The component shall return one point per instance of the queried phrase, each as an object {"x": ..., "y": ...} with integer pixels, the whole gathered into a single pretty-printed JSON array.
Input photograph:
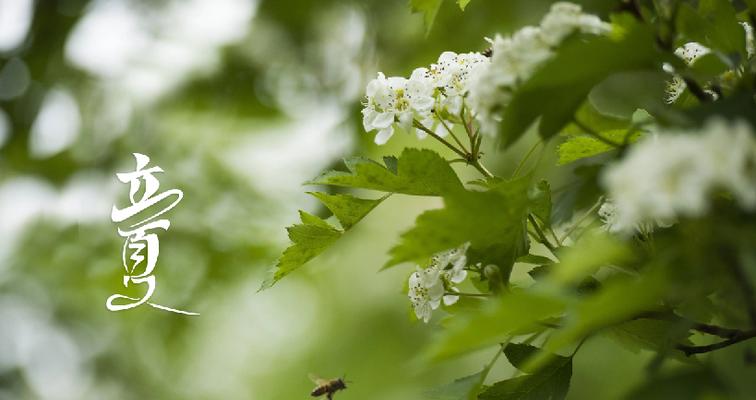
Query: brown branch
[{"x": 740, "y": 337}]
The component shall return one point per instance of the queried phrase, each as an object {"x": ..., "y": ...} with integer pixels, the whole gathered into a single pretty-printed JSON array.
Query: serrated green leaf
[
  {"x": 415, "y": 172},
  {"x": 558, "y": 88},
  {"x": 429, "y": 9},
  {"x": 485, "y": 219},
  {"x": 551, "y": 382},
  {"x": 310, "y": 238},
  {"x": 517, "y": 312},
  {"x": 348, "y": 209},
  {"x": 461, "y": 389}
]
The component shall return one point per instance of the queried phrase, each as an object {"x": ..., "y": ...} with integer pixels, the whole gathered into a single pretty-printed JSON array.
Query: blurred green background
[{"x": 239, "y": 101}]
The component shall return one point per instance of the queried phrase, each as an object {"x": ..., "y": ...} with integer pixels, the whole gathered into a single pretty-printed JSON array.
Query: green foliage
[
  {"x": 463, "y": 4},
  {"x": 557, "y": 90},
  {"x": 694, "y": 384},
  {"x": 715, "y": 25},
  {"x": 415, "y": 172},
  {"x": 516, "y": 313},
  {"x": 477, "y": 217},
  {"x": 551, "y": 382}
]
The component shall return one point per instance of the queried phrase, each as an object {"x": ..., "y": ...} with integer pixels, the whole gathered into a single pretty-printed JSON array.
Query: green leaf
[
  {"x": 714, "y": 24},
  {"x": 552, "y": 381},
  {"x": 557, "y": 89},
  {"x": 540, "y": 202},
  {"x": 616, "y": 302},
  {"x": 535, "y": 259},
  {"x": 463, "y": 4},
  {"x": 656, "y": 335},
  {"x": 461, "y": 389},
  {"x": 429, "y": 9},
  {"x": 310, "y": 238},
  {"x": 517, "y": 312},
  {"x": 348, "y": 209},
  {"x": 486, "y": 219},
  {"x": 622, "y": 93},
  {"x": 415, "y": 172},
  {"x": 588, "y": 255},
  {"x": 579, "y": 147}
]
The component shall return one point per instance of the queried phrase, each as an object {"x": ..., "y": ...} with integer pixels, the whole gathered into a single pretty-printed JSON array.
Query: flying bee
[{"x": 327, "y": 387}]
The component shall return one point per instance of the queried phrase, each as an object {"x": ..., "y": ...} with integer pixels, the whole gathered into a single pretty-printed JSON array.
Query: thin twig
[
  {"x": 525, "y": 159},
  {"x": 741, "y": 336},
  {"x": 422, "y": 127}
]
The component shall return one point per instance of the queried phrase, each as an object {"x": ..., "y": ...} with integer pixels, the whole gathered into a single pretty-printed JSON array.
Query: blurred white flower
[
  {"x": 750, "y": 46},
  {"x": 427, "y": 287},
  {"x": 565, "y": 18},
  {"x": 517, "y": 57},
  {"x": 673, "y": 174}
]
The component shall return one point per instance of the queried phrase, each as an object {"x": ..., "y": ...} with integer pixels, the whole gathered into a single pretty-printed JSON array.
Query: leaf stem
[
  {"x": 448, "y": 129},
  {"x": 422, "y": 127},
  {"x": 542, "y": 238}
]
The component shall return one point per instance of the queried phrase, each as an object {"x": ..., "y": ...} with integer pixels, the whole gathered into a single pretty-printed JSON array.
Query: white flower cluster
[
  {"x": 516, "y": 58},
  {"x": 674, "y": 173},
  {"x": 427, "y": 287},
  {"x": 428, "y": 94},
  {"x": 690, "y": 53}
]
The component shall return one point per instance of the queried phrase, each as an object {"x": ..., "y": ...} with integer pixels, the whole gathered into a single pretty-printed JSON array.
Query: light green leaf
[
  {"x": 461, "y": 389},
  {"x": 310, "y": 238},
  {"x": 429, "y": 9},
  {"x": 348, "y": 209},
  {"x": 579, "y": 147},
  {"x": 588, "y": 255},
  {"x": 463, "y": 4},
  {"x": 486, "y": 219},
  {"x": 557, "y": 89},
  {"x": 415, "y": 172},
  {"x": 517, "y": 312}
]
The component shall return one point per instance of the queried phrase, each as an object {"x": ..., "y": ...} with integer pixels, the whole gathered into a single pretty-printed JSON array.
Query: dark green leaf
[{"x": 714, "y": 25}]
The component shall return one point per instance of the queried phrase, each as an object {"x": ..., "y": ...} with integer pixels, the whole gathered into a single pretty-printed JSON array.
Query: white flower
[
  {"x": 689, "y": 52},
  {"x": 517, "y": 57},
  {"x": 674, "y": 173},
  {"x": 451, "y": 75},
  {"x": 395, "y": 100},
  {"x": 427, "y": 287}
]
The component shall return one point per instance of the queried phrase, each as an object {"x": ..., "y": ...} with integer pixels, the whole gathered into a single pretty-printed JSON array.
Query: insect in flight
[{"x": 327, "y": 387}]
